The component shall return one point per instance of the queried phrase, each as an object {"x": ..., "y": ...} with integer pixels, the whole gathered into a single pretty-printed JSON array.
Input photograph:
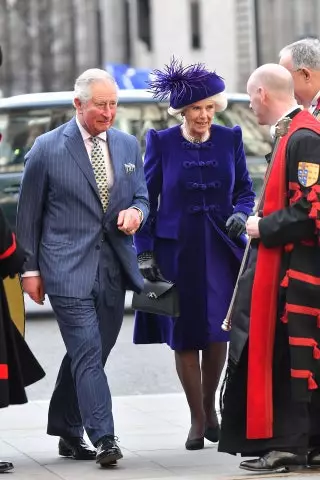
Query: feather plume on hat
[{"x": 185, "y": 84}]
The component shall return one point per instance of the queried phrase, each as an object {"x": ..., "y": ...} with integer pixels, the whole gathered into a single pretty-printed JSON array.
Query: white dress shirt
[
  {"x": 273, "y": 127},
  {"x": 102, "y": 137}
]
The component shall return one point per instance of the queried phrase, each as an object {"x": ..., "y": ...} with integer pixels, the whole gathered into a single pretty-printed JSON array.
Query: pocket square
[{"x": 129, "y": 167}]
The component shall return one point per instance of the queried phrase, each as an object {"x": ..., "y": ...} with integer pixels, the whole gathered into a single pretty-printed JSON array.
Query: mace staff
[{"x": 281, "y": 129}]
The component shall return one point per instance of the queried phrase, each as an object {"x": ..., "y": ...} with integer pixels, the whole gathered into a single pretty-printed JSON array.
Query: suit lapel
[{"x": 77, "y": 149}]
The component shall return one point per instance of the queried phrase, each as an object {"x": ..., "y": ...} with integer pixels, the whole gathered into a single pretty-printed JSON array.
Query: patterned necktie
[{"x": 99, "y": 168}]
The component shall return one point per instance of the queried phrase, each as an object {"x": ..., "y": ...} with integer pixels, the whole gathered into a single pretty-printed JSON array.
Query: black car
[{"x": 24, "y": 117}]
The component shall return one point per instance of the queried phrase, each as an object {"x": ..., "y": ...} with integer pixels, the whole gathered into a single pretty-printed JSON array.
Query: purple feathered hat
[{"x": 187, "y": 85}]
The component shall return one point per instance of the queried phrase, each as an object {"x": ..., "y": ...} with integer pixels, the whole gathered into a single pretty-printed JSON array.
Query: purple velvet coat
[{"x": 193, "y": 189}]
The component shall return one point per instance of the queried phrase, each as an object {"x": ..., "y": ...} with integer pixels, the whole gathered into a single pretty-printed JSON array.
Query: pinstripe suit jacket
[{"x": 60, "y": 219}]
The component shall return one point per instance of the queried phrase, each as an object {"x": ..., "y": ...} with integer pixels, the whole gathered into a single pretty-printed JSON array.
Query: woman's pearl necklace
[{"x": 191, "y": 139}]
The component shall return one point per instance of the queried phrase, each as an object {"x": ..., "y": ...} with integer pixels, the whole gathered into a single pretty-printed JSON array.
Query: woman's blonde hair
[{"x": 220, "y": 100}]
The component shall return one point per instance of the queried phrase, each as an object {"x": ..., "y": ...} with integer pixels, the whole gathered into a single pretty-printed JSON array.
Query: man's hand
[
  {"x": 129, "y": 221},
  {"x": 252, "y": 226},
  {"x": 33, "y": 286}
]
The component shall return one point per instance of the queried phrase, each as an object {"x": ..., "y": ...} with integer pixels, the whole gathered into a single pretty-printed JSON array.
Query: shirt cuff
[
  {"x": 31, "y": 273},
  {"x": 140, "y": 212}
]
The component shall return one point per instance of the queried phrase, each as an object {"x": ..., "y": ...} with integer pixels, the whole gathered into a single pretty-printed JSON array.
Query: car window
[
  {"x": 19, "y": 130},
  {"x": 256, "y": 138},
  {"x": 138, "y": 119}
]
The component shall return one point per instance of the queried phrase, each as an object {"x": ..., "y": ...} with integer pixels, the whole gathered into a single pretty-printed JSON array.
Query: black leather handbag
[{"x": 160, "y": 298}]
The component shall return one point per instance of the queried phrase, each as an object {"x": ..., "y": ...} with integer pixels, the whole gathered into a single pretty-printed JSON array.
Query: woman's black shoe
[
  {"x": 314, "y": 459},
  {"x": 212, "y": 434},
  {"x": 5, "y": 466},
  {"x": 195, "y": 443}
]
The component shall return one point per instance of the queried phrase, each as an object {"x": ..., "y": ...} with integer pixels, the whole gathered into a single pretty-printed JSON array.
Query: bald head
[
  {"x": 271, "y": 92},
  {"x": 273, "y": 78}
]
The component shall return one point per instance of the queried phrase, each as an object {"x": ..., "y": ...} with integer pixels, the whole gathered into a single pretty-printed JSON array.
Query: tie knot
[{"x": 95, "y": 140}]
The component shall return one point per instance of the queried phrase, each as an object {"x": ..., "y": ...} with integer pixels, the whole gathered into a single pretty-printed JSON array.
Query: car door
[
  {"x": 11, "y": 167},
  {"x": 19, "y": 129}
]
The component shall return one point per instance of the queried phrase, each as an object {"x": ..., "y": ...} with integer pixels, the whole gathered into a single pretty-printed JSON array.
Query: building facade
[
  {"x": 47, "y": 43},
  {"x": 193, "y": 30},
  {"x": 246, "y": 38},
  {"x": 280, "y": 23},
  {"x": 269, "y": 25}
]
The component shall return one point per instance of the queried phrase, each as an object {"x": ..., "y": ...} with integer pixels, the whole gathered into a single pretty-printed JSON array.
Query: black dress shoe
[
  {"x": 108, "y": 451},
  {"x": 314, "y": 459},
  {"x": 5, "y": 466},
  {"x": 275, "y": 462},
  {"x": 76, "y": 448},
  {"x": 194, "y": 444},
  {"x": 212, "y": 434}
]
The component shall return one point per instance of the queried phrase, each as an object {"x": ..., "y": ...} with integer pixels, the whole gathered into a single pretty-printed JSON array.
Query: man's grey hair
[
  {"x": 82, "y": 86},
  {"x": 304, "y": 53}
]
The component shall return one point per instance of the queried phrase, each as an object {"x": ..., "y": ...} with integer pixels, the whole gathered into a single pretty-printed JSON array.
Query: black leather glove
[
  {"x": 236, "y": 225},
  {"x": 148, "y": 267}
]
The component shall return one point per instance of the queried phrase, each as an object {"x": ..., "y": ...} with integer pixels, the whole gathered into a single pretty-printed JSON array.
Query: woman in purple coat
[{"x": 200, "y": 197}]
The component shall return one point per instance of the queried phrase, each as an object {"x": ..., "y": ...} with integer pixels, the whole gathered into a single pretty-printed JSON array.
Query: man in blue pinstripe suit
[{"x": 83, "y": 196}]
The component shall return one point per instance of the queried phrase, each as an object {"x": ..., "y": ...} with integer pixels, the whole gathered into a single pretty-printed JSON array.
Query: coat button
[{"x": 97, "y": 247}]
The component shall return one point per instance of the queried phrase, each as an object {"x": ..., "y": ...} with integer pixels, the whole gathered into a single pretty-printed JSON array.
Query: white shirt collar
[
  {"x": 292, "y": 109},
  {"x": 86, "y": 135},
  {"x": 315, "y": 99}
]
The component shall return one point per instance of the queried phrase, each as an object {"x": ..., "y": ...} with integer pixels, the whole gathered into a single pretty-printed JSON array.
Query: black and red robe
[
  {"x": 18, "y": 367},
  {"x": 271, "y": 400}
]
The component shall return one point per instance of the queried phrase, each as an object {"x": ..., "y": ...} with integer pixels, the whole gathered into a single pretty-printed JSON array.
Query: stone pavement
[{"x": 152, "y": 431}]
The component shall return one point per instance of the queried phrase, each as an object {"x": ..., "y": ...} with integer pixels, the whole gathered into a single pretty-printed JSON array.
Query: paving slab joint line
[
  {"x": 256, "y": 476},
  {"x": 33, "y": 460},
  {"x": 166, "y": 469}
]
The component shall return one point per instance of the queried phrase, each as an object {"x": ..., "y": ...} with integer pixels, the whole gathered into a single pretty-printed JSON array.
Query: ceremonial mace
[{"x": 281, "y": 129}]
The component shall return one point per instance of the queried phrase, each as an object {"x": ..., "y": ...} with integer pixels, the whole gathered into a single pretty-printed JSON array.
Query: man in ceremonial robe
[
  {"x": 271, "y": 399},
  {"x": 18, "y": 367}
]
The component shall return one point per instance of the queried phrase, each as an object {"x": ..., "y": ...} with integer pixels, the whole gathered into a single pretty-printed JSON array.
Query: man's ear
[
  {"x": 77, "y": 103},
  {"x": 306, "y": 73},
  {"x": 263, "y": 94}
]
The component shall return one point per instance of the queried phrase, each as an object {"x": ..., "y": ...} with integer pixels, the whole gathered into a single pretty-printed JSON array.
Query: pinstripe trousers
[{"x": 89, "y": 328}]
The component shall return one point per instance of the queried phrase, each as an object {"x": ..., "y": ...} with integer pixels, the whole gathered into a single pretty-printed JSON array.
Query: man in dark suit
[{"x": 83, "y": 196}]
